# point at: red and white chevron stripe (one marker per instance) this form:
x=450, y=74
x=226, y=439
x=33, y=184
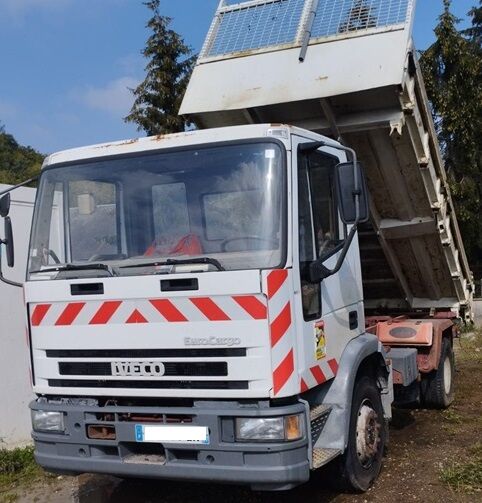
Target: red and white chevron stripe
x=276, y=285
x=174, y=310
x=318, y=374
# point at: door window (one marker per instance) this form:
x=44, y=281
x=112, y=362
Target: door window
x=317, y=221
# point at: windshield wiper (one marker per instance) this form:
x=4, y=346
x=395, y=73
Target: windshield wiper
x=173, y=261
x=73, y=267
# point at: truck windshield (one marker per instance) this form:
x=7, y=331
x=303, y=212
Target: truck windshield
x=146, y=213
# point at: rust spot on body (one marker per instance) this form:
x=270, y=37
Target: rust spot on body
x=130, y=142
x=126, y=142
x=160, y=137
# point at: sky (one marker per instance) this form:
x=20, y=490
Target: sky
x=66, y=66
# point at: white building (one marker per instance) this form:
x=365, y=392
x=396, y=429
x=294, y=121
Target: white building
x=15, y=388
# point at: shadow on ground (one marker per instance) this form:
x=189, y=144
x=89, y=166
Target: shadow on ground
x=110, y=490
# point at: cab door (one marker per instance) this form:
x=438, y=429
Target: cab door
x=329, y=313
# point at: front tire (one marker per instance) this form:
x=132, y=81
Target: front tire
x=437, y=388
x=361, y=462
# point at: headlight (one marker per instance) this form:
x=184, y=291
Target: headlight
x=48, y=421
x=269, y=428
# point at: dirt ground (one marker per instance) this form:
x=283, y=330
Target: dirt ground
x=423, y=444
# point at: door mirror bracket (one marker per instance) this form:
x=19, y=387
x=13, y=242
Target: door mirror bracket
x=318, y=272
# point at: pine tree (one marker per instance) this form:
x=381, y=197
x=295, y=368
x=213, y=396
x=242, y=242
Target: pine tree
x=158, y=98
x=475, y=31
x=452, y=68
x=358, y=18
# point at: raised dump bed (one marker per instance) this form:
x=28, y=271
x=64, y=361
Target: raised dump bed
x=348, y=69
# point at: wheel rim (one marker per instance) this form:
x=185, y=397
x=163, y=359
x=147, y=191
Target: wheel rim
x=368, y=438
x=447, y=375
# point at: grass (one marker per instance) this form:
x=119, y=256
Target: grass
x=8, y=498
x=471, y=346
x=17, y=465
x=467, y=476
x=452, y=416
x=18, y=470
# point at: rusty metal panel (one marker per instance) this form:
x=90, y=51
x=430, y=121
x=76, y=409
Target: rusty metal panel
x=405, y=333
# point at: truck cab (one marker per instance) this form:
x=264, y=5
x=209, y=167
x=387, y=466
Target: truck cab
x=169, y=285
x=240, y=304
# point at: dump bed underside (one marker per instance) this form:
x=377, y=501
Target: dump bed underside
x=359, y=82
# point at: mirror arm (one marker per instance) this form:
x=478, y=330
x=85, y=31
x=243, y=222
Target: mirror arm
x=318, y=271
x=26, y=182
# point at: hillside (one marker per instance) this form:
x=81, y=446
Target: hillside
x=17, y=163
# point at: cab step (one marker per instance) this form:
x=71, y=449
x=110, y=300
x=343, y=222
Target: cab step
x=323, y=456
x=318, y=417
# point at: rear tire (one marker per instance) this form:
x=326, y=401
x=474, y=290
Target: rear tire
x=361, y=462
x=437, y=388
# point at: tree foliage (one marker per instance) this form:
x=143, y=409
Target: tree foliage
x=452, y=69
x=17, y=163
x=475, y=31
x=158, y=98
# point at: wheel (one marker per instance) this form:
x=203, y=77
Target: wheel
x=437, y=388
x=361, y=462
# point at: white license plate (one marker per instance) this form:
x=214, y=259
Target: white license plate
x=172, y=434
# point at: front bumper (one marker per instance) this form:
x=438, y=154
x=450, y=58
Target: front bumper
x=280, y=465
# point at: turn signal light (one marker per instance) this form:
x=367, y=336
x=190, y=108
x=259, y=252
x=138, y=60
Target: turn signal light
x=293, y=428
x=101, y=432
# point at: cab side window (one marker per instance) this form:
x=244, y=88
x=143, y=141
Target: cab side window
x=318, y=222
x=321, y=169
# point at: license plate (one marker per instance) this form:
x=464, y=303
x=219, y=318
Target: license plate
x=172, y=434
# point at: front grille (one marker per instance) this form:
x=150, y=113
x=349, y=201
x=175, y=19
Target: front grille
x=171, y=368
x=77, y=383
x=147, y=353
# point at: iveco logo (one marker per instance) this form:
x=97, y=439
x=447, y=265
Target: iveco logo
x=144, y=369
x=212, y=341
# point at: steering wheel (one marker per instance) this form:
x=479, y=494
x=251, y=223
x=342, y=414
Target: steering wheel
x=52, y=254
x=256, y=238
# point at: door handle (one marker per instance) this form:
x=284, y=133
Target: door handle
x=353, y=319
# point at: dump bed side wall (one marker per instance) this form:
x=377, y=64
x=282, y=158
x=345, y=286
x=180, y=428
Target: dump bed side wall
x=413, y=216
x=360, y=83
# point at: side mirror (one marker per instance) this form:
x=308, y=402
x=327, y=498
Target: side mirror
x=345, y=187
x=8, y=242
x=5, y=205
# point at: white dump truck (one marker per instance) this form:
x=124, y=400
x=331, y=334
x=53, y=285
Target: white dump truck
x=243, y=303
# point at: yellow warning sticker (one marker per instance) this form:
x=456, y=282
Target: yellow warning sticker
x=320, y=340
